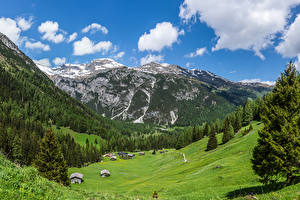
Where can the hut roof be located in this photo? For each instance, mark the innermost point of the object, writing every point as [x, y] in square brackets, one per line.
[76, 175]
[105, 171]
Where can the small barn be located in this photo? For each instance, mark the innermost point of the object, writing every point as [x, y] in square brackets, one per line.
[113, 158]
[76, 178]
[123, 155]
[130, 156]
[104, 173]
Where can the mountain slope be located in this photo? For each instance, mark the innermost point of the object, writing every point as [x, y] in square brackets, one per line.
[153, 93]
[36, 97]
[25, 183]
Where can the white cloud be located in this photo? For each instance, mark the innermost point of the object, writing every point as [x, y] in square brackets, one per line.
[10, 29]
[198, 52]
[94, 27]
[59, 61]
[86, 46]
[45, 62]
[119, 55]
[37, 45]
[241, 24]
[290, 46]
[163, 35]
[151, 58]
[23, 23]
[72, 37]
[50, 29]
[257, 80]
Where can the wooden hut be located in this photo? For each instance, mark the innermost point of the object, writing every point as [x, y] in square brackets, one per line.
[76, 178]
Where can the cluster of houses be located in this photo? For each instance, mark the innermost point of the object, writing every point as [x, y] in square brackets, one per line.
[122, 155]
[78, 177]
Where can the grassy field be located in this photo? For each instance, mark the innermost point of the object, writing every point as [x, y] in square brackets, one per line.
[80, 138]
[224, 173]
[25, 183]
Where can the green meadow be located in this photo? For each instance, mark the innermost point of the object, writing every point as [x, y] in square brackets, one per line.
[80, 138]
[224, 173]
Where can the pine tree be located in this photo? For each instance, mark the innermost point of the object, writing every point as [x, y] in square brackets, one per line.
[212, 141]
[50, 162]
[206, 130]
[237, 124]
[17, 150]
[228, 131]
[277, 154]
[247, 113]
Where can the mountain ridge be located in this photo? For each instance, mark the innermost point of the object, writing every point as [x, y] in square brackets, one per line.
[152, 93]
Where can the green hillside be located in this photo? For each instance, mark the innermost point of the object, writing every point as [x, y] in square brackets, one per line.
[25, 183]
[223, 173]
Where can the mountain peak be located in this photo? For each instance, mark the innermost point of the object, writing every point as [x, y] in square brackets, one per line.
[7, 42]
[77, 71]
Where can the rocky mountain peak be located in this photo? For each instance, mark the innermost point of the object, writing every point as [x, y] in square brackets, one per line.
[7, 42]
[79, 71]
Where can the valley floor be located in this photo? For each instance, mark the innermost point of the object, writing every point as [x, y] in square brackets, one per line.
[224, 173]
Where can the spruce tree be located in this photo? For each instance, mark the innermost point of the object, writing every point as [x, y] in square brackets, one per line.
[247, 113]
[17, 150]
[228, 131]
[206, 130]
[50, 162]
[277, 154]
[212, 141]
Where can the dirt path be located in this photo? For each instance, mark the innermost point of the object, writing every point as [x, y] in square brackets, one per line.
[184, 159]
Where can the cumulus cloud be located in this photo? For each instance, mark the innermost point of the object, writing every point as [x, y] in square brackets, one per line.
[163, 35]
[24, 24]
[59, 61]
[257, 80]
[72, 37]
[290, 46]
[50, 29]
[37, 45]
[240, 24]
[151, 58]
[86, 46]
[94, 27]
[198, 52]
[9, 27]
[119, 55]
[45, 62]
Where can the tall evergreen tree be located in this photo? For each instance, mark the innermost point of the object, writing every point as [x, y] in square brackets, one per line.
[247, 113]
[228, 131]
[277, 154]
[212, 141]
[50, 162]
[206, 129]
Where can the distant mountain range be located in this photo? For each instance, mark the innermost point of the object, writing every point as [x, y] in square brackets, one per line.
[153, 93]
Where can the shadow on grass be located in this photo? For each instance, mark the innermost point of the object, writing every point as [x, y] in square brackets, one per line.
[263, 189]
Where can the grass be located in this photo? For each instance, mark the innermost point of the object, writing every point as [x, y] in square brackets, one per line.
[25, 183]
[224, 173]
[80, 138]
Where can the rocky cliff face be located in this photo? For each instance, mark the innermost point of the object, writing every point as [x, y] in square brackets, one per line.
[154, 93]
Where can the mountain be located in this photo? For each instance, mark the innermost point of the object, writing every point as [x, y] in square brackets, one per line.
[28, 94]
[153, 93]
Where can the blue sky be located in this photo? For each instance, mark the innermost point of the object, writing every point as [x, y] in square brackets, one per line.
[236, 39]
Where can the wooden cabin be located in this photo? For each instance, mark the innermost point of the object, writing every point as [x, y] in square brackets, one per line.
[76, 178]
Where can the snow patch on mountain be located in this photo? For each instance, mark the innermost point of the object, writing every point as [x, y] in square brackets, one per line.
[77, 71]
